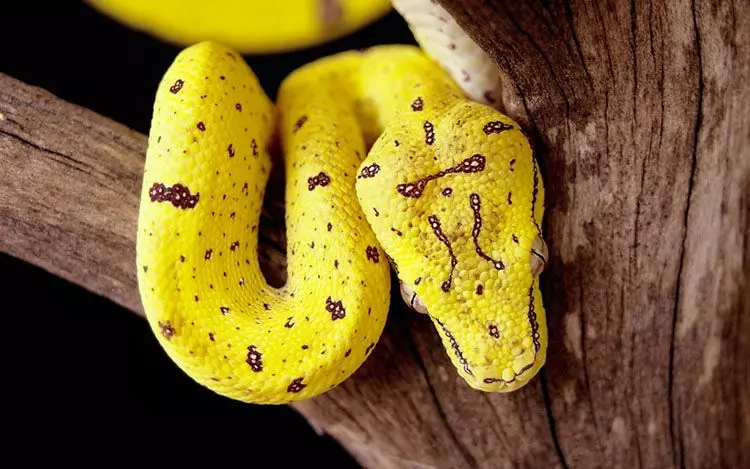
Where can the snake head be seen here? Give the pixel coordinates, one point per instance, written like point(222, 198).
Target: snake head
point(454, 196)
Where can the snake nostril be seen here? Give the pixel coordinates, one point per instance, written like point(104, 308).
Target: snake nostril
point(539, 255)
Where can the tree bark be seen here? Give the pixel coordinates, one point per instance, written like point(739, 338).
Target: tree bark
point(639, 114)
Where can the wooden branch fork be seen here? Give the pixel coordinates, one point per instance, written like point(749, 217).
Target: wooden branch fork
point(639, 113)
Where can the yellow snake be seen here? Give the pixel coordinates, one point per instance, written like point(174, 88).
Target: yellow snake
point(387, 164)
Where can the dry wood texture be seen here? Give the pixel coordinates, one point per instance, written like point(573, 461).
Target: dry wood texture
point(639, 112)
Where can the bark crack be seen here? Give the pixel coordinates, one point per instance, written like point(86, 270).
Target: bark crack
point(674, 428)
point(551, 420)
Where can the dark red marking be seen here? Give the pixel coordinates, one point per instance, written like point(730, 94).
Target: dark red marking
point(238, 106)
point(398, 232)
point(438, 230)
point(476, 205)
point(429, 133)
point(510, 200)
point(266, 306)
point(234, 245)
point(456, 348)
point(515, 238)
point(305, 347)
point(373, 254)
point(230, 149)
point(222, 77)
point(254, 146)
point(167, 330)
point(321, 179)
point(182, 258)
point(369, 171)
point(533, 319)
point(417, 105)
point(395, 142)
point(447, 191)
point(336, 309)
point(289, 322)
point(145, 269)
point(254, 358)
point(201, 126)
point(494, 332)
point(348, 352)
point(300, 122)
point(496, 127)
point(211, 336)
point(329, 226)
point(208, 254)
point(512, 162)
point(224, 310)
point(174, 89)
point(377, 214)
point(472, 164)
point(480, 289)
point(177, 194)
point(296, 385)
point(417, 280)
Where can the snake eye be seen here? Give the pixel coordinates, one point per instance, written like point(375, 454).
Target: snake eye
point(539, 256)
point(411, 298)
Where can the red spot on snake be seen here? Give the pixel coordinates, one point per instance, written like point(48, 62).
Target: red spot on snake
point(452, 46)
point(208, 254)
point(496, 127)
point(417, 280)
point(417, 105)
point(348, 352)
point(211, 336)
point(447, 191)
point(480, 289)
point(510, 201)
point(224, 310)
point(515, 238)
point(377, 214)
point(238, 106)
point(300, 122)
point(296, 385)
point(182, 258)
point(512, 162)
point(254, 146)
point(174, 89)
point(438, 230)
point(373, 254)
point(369, 171)
point(429, 133)
point(201, 126)
point(167, 330)
point(254, 358)
point(494, 332)
point(145, 269)
point(336, 309)
point(289, 322)
point(472, 164)
point(222, 77)
point(398, 232)
point(177, 194)
point(329, 226)
point(476, 205)
point(230, 149)
point(321, 179)
point(234, 245)
point(395, 142)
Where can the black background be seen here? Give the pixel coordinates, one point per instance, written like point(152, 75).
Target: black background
point(82, 369)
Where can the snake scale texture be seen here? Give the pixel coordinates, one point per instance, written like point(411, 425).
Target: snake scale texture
point(390, 163)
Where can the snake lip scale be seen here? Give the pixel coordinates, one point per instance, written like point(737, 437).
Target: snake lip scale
point(389, 163)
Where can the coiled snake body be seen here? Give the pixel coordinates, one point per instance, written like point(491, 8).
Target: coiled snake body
point(448, 193)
